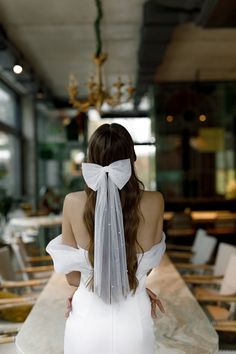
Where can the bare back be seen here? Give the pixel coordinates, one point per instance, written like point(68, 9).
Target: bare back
point(149, 231)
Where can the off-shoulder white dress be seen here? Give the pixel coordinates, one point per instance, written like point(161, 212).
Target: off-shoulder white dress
point(94, 327)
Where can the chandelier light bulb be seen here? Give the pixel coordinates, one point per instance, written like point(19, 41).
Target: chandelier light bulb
point(98, 95)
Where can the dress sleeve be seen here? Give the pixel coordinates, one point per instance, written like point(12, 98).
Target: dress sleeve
point(152, 258)
point(66, 258)
point(158, 251)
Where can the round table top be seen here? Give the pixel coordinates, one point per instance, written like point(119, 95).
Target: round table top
point(36, 221)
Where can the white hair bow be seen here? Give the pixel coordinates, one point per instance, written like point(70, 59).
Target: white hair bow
point(110, 265)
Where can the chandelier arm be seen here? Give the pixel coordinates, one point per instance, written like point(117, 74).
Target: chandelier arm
point(97, 27)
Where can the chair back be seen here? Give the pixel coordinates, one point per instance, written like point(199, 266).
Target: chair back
point(203, 247)
point(7, 271)
point(228, 286)
point(18, 248)
point(222, 258)
point(21, 246)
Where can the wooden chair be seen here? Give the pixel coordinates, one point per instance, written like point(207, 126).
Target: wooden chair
point(8, 279)
point(223, 312)
point(9, 330)
point(20, 299)
point(30, 260)
point(25, 262)
point(201, 250)
point(7, 339)
point(218, 269)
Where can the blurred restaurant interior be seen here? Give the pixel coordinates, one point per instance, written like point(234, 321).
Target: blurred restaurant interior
point(166, 70)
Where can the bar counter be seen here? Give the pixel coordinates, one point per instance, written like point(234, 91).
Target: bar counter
point(184, 329)
point(206, 216)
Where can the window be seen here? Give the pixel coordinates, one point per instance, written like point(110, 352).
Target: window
point(7, 106)
point(9, 167)
point(9, 145)
point(144, 143)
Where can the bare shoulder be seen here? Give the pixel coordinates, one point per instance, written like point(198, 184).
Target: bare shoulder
point(152, 196)
point(75, 198)
point(153, 201)
point(81, 195)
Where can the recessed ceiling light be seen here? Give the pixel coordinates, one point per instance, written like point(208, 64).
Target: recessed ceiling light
point(169, 119)
point(17, 69)
point(202, 118)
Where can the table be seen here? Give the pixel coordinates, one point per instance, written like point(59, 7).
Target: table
point(206, 216)
point(36, 222)
point(213, 216)
point(184, 329)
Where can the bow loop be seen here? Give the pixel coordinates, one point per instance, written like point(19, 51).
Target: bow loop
point(119, 172)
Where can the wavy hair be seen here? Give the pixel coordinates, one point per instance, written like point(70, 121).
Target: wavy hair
point(109, 143)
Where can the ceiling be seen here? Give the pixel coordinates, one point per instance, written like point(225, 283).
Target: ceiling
point(195, 53)
point(147, 41)
point(58, 39)
point(187, 40)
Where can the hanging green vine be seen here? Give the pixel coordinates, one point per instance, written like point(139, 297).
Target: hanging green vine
point(97, 27)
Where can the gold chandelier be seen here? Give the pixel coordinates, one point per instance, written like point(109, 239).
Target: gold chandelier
point(97, 93)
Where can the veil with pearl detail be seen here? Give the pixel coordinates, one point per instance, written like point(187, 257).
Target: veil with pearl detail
point(110, 276)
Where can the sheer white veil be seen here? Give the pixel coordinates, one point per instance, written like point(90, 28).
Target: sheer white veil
point(111, 281)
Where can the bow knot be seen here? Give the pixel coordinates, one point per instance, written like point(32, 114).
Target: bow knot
point(106, 169)
point(119, 172)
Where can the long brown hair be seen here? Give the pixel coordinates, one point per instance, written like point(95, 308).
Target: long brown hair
point(109, 143)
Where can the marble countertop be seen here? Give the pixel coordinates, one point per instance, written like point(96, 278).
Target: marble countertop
point(184, 329)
